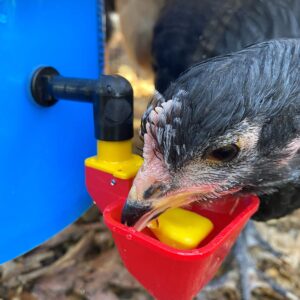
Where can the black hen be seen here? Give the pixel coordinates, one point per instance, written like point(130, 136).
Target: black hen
point(229, 124)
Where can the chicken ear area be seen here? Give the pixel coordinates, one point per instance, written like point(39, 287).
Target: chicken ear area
point(186, 199)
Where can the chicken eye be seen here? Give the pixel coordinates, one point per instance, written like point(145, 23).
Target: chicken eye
point(224, 154)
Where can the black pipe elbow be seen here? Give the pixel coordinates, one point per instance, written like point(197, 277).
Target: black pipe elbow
point(111, 95)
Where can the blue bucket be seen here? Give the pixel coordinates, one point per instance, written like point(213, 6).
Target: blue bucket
point(42, 151)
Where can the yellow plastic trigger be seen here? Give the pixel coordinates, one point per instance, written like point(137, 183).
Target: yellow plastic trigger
point(181, 228)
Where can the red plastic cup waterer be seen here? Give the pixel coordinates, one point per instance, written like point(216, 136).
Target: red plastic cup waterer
point(168, 273)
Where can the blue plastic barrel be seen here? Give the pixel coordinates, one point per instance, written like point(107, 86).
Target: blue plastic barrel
point(42, 150)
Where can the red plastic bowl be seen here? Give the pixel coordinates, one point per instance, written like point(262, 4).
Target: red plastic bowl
point(168, 273)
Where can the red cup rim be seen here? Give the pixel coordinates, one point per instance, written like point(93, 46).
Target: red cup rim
point(156, 245)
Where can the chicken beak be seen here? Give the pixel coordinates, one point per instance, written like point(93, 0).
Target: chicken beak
point(133, 209)
point(132, 213)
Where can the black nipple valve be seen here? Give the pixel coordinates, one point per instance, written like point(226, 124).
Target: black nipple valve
point(111, 96)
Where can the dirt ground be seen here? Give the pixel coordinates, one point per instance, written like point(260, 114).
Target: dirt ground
point(81, 263)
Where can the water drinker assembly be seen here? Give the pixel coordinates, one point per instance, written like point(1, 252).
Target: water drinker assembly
point(165, 272)
point(44, 182)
